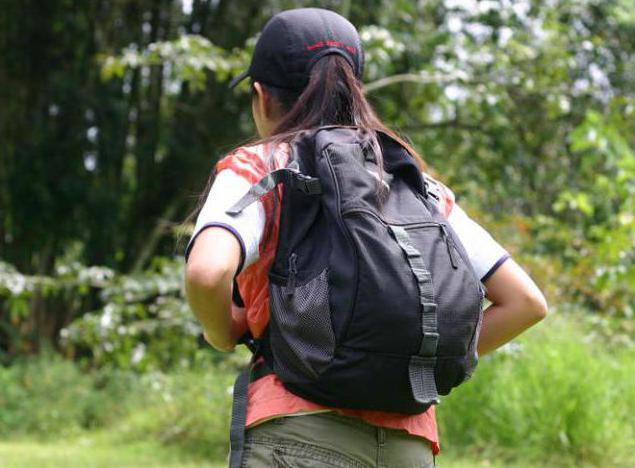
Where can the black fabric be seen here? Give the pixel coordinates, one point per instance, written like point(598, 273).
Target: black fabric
point(361, 317)
point(236, 297)
point(259, 370)
point(294, 40)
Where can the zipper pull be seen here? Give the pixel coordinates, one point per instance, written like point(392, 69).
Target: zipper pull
point(293, 271)
point(449, 245)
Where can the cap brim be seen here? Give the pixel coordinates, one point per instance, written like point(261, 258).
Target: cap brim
point(238, 79)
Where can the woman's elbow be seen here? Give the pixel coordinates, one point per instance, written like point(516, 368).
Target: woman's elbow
point(205, 276)
point(220, 343)
point(535, 305)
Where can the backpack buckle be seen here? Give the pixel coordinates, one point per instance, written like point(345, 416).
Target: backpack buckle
point(307, 185)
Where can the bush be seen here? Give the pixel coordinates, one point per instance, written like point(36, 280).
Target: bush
point(144, 324)
point(50, 396)
point(141, 322)
point(189, 410)
point(559, 391)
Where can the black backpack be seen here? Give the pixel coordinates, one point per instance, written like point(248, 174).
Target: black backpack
point(373, 302)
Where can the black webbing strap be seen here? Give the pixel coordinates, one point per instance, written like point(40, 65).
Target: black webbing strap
point(239, 418)
point(252, 372)
point(421, 366)
point(288, 175)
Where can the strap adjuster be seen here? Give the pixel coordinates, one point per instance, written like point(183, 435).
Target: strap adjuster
point(429, 344)
point(429, 307)
point(288, 175)
point(308, 185)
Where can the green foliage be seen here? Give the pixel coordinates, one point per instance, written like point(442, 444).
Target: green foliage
point(193, 59)
point(584, 251)
point(557, 391)
point(23, 296)
point(189, 410)
point(50, 396)
point(141, 322)
point(144, 324)
point(606, 204)
point(189, 57)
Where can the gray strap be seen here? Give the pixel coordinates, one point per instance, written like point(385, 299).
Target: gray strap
point(421, 367)
point(288, 175)
point(424, 387)
point(239, 419)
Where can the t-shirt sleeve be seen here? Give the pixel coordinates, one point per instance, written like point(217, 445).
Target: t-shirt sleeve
point(248, 226)
point(485, 254)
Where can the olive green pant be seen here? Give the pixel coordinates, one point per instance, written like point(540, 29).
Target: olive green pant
point(332, 440)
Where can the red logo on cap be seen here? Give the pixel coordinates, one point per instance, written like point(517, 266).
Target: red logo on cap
point(341, 45)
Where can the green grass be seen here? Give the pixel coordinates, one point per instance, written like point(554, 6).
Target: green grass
point(95, 451)
point(563, 398)
point(101, 450)
point(561, 392)
point(49, 398)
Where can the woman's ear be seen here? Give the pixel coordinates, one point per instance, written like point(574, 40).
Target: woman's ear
point(264, 109)
point(262, 100)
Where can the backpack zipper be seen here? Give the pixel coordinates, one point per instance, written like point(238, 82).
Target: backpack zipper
point(293, 271)
point(449, 245)
point(444, 232)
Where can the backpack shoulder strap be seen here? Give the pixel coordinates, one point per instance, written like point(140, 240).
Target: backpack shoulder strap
point(256, 369)
point(289, 175)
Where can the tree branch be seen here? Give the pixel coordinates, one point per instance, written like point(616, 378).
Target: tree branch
point(420, 77)
point(152, 241)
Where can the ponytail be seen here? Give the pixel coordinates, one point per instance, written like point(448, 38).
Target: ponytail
point(333, 96)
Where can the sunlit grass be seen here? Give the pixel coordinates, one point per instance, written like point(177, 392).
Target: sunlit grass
point(95, 451)
point(101, 450)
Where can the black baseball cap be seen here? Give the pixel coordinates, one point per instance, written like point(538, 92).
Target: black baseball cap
point(294, 40)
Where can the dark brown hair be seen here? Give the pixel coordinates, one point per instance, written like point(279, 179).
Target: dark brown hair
point(333, 96)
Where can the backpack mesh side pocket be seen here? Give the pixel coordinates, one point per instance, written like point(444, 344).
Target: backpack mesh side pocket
point(301, 332)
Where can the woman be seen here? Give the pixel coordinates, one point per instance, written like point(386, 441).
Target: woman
point(305, 73)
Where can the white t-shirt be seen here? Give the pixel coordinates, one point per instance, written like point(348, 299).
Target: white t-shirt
point(485, 254)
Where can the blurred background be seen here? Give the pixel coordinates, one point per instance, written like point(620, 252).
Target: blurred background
point(112, 115)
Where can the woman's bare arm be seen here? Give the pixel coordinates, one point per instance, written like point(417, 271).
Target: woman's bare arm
point(517, 304)
point(209, 274)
